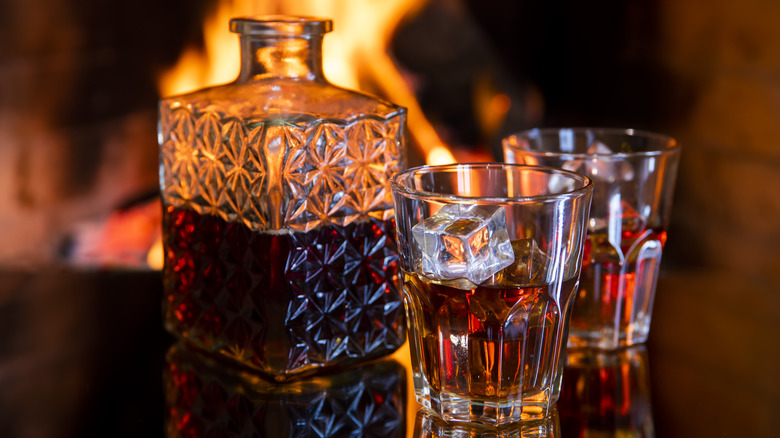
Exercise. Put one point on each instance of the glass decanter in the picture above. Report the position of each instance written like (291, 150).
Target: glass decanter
(278, 218)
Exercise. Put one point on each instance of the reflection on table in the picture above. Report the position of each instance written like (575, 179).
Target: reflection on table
(206, 397)
(428, 425)
(606, 394)
(82, 354)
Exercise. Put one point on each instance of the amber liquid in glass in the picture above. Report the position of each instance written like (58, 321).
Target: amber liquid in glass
(283, 302)
(490, 343)
(614, 301)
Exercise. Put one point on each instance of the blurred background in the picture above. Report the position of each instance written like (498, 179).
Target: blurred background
(80, 81)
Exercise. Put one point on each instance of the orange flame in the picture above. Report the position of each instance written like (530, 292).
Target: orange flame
(357, 46)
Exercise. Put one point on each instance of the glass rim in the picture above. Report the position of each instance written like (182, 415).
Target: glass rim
(671, 146)
(397, 186)
(280, 25)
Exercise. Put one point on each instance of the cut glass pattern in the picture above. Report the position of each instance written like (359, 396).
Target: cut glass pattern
(329, 172)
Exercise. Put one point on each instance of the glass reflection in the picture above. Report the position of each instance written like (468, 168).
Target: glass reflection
(429, 425)
(207, 398)
(606, 394)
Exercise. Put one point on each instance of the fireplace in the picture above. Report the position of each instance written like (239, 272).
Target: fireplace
(78, 141)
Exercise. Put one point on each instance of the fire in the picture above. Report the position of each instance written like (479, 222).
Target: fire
(355, 53)
(154, 259)
(355, 50)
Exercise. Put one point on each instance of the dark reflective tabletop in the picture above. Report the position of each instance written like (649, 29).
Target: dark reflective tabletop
(83, 353)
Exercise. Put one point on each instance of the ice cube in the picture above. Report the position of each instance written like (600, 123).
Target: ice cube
(464, 241)
(633, 222)
(530, 264)
(622, 222)
(598, 148)
(560, 183)
(489, 308)
(602, 167)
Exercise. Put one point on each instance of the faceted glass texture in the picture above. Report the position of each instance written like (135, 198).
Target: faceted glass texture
(278, 217)
(271, 174)
(283, 303)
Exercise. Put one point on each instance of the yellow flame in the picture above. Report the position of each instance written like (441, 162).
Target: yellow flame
(217, 64)
(439, 155)
(154, 259)
(360, 27)
(356, 49)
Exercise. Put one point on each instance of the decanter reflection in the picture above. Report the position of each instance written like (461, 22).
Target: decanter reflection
(429, 425)
(606, 394)
(208, 398)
